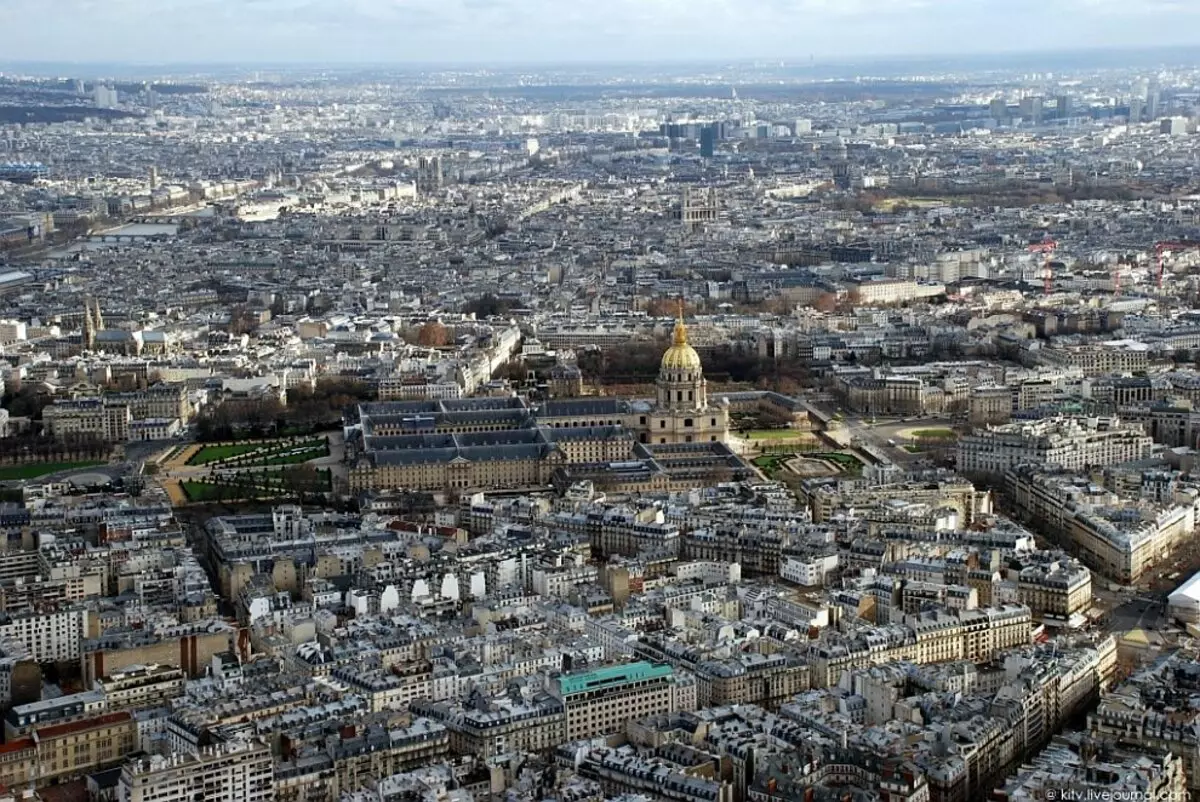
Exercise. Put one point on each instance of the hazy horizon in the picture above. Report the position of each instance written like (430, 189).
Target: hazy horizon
(533, 32)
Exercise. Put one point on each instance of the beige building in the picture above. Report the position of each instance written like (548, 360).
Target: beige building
(68, 751)
(141, 686)
(990, 405)
(959, 494)
(88, 418)
(1070, 443)
(1058, 590)
(751, 678)
(501, 443)
(882, 292)
(1122, 538)
(602, 701)
(1101, 359)
(937, 637)
(111, 417)
(189, 647)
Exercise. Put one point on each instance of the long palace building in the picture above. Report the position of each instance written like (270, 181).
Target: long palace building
(505, 443)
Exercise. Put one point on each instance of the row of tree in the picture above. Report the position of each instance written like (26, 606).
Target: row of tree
(638, 363)
(307, 411)
(31, 448)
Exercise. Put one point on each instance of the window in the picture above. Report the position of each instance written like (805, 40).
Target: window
(662, 424)
(712, 422)
(690, 392)
(687, 422)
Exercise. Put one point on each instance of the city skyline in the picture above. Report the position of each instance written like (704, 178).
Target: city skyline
(541, 31)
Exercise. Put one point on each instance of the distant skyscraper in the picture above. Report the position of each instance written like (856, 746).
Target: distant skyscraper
(1175, 126)
(1152, 102)
(998, 109)
(1031, 109)
(708, 141)
(1136, 109)
(1064, 106)
(105, 97)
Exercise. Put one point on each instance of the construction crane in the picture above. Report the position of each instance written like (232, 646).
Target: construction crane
(1174, 246)
(1048, 247)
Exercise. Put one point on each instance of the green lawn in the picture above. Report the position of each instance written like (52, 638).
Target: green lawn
(217, 453)
(295, 457)
(913, 449)
(253, 484)
(934, 434)
(771, 464)
(13, 472)
(263, 452)
(844, 461)
(199, 491)
(207, 491)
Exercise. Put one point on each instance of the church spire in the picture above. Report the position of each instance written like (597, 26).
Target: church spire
(89, 325)
(680, 336)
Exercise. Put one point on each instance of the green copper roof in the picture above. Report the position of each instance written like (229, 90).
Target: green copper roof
(611, 675)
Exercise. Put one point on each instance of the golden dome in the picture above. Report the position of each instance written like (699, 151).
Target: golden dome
(680, 356)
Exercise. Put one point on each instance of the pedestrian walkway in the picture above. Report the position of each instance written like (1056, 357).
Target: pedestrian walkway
(175, 492)
(180, 459)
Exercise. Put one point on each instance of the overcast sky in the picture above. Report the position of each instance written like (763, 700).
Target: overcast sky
(245, 31)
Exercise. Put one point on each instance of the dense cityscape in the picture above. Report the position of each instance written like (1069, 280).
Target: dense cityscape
(719, 433)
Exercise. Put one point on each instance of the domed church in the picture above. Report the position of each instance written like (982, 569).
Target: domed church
(681, 413)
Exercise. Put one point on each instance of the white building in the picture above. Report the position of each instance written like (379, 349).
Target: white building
(233, 772)
(1070, 443)
(1184, 603)
(48, 636)
(809, 572)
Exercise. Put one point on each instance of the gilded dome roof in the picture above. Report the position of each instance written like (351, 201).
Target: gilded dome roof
(680, 356)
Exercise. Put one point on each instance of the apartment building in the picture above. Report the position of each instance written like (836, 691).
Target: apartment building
(750, 678)
(161, 411)
(947, 491)
(536, 725)
(1099, 359)
(808, 571)
(54, 636)
(600, 702)
(360, 757)
(1061, 590)
(882, 292)
(238, 771)
(416, 387)
(67, 751)
(624, 771)
(88, 418)
(926, 638)
(1121, 538)
(1070, 443)
(141, 686)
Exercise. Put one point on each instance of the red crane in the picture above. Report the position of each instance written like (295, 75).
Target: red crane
(1046, 246)
(1171, 247)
